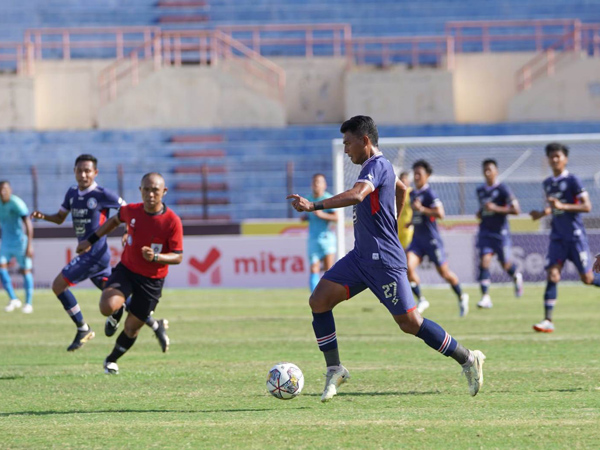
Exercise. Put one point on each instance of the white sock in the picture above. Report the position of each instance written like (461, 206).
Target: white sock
(155, 325)
(83, 327)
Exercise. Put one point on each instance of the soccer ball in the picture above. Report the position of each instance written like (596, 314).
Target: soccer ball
(285, 381)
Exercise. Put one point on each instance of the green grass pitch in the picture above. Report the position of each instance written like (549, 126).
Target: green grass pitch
(208, 391)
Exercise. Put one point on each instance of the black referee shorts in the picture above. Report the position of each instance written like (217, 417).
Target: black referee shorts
(145, 292)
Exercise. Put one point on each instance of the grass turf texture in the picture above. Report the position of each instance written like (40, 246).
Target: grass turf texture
(540, 391)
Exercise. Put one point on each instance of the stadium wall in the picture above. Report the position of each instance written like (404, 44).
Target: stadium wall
(17, 103)
(572, 93)
(398, 95)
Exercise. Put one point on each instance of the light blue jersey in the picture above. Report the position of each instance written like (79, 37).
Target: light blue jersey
(11, 221)
(321, 237)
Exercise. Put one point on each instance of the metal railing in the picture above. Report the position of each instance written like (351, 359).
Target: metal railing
(483, 34)
(17, 55)
(176, 48)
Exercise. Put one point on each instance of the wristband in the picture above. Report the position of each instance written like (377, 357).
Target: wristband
(155, 259)
(93, 238)
(318, 205)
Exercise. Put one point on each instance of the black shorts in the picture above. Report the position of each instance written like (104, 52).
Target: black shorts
(145, 292)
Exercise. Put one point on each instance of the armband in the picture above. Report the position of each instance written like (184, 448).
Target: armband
(93, 238)
(155, 259)
(318, 205)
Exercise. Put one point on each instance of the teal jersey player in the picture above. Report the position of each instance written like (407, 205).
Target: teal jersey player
(321, 238)
(17, 232)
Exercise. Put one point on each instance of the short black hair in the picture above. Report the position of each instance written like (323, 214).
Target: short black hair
(362, 126)
(151, 174)
(424, 164)
(403, 174)
(87, 157)
(489, 161)
(557, 147)
(319, 175)
(4, 182)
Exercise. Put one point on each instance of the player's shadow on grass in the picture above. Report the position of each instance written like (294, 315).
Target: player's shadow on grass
(11, 377)
(138, 411)
(370, 394)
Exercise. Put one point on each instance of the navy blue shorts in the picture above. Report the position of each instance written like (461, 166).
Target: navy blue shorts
(499, 247)
(433, 249)
(95, 267)
(577, 251)
(389, 285)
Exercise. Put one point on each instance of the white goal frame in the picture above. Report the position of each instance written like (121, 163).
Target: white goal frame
(542, 140)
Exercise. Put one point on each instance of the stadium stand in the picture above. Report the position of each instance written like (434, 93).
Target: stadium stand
(246, 170)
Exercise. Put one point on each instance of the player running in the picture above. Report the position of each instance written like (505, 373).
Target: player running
(496, 202)
(321, 239)
(377, 261)
(14, 216)
(154, 241)
(88, 204)
(567, 199)
(427, 207)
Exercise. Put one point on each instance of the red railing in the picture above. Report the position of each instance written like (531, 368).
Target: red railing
(545, 63)
(326, 39)
(198, 47)
(18, 55)
(484, 33)
(414, 50)
(64, 40)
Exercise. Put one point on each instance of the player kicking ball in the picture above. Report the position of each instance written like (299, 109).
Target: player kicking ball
(567, 199)
(496, 202)
(377, 261)
(154, 241)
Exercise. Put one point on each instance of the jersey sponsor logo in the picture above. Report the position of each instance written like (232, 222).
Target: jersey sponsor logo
(375, 256)
(562, 185)
(267, 262)
(132, 223)
(92, 203)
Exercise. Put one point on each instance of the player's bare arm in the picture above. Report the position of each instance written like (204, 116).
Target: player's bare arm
(57, 218)
(29, 231)
(108, 226)
(400, 196)
(510, 209)
(584, 206)
(161, 258)
(538, 214)
(437, 212)
(330, 217)
(352, 196)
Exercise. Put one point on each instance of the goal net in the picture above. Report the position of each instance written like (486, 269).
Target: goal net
(457, 172)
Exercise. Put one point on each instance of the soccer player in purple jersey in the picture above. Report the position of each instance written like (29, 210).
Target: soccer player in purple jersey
(496, 202)
(377, 261)
(427, 208)
(88, 204)
(567, 199)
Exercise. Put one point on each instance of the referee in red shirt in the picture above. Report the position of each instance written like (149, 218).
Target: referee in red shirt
(154, 241)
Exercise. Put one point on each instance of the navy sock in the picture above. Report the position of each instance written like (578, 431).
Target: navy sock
(70, 304)
(512, 270)
(324, 327)
(484, 280)
(457, 290)
(550, 299)
(28, 285)
(416, 289)
(7, 283)
(123, 344)
(437, 338)
(596, 280)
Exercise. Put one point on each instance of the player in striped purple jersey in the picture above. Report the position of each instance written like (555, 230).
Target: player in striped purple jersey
(377, 261)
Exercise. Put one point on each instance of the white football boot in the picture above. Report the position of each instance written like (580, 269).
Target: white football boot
(545, 326)
(422, 305)
(474, 372)
(518, 280)
(485, 302)
(27, 308)
(463, 305)
(111, 368)
(334, 378)
(15, 303)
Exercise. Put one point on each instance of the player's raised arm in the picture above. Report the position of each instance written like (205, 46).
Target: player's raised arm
(437, 211)
(29, 231)
(352, 196)
(538, 214)
(57, 218)
(583, 206)
(400, 196)
(108, 226)
(161, 258)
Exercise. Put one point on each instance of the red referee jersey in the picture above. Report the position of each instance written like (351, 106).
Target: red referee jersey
(162, 231)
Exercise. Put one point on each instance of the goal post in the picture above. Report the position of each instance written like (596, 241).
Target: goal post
(457, 171)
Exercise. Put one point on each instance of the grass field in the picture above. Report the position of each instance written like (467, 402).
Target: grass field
(540, 391)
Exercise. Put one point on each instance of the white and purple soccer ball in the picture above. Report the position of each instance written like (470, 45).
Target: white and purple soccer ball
(285, 381)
